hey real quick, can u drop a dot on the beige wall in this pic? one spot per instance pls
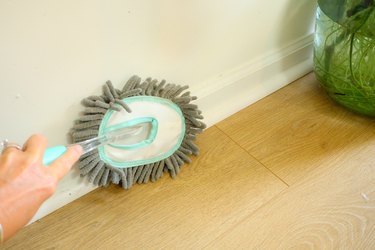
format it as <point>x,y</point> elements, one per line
<point>54,53</point>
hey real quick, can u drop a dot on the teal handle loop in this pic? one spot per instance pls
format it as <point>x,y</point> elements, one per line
<point>51,154</point>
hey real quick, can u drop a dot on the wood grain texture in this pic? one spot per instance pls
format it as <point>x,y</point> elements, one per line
<point>227,199</point>
<point>332,208</point>
<point>222,186</point>
<point>297,129</point>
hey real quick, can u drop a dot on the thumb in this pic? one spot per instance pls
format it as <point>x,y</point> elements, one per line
<point>61,166</point>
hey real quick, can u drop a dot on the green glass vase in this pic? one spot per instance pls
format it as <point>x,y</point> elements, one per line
<point>344,52</point>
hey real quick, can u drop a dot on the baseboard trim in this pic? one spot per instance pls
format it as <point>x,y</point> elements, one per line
<point>238,88</point>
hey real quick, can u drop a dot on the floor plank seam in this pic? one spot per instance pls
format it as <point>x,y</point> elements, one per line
<point>252,156</point>
<point>266,203</point>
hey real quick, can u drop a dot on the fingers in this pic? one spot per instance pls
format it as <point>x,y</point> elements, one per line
<point>9,147</point>
<point>10,157</point>
<point>11,153</point>
<point>11,150</point>
<point>36,145</point>
<point>60,167</point>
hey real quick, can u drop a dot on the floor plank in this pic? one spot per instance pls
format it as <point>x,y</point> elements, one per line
<point>222,186</point>
<point>297,129</point>
<point>334,208</point>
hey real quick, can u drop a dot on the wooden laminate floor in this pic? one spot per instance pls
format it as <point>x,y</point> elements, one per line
<point>292,171</point>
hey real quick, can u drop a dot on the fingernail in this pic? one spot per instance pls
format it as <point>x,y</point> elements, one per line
<point>78,149</point>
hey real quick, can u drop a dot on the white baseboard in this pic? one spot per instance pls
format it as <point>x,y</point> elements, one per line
<point>236,89</point>
<point>220,97</point>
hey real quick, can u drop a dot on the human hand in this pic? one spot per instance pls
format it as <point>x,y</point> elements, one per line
<point>25,183</point>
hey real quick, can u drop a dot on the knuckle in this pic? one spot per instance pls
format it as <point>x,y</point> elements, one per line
<point>50,186</point>
<point>39,137</point>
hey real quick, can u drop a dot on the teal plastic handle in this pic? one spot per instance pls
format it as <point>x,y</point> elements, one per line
<point>52,154</point>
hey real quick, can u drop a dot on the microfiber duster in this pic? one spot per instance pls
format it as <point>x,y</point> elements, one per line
<point>170,126</point>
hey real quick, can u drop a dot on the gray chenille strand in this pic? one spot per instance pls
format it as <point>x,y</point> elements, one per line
<point>87,127</point>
